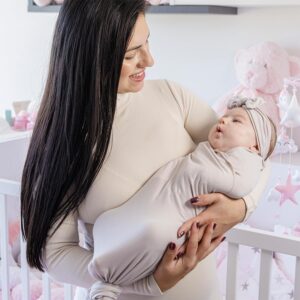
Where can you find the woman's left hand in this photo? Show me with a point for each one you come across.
(220, 209)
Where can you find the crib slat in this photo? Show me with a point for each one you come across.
(231, 271)
(4, 248)
(297, 280)
(68, 292)
(9, 187)
(24, 271)
(46, 287)
(265, 274)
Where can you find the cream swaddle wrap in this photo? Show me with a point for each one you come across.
(130, 240)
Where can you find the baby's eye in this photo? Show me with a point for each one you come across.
(236, 121)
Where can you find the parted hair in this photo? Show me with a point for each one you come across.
(73, 127)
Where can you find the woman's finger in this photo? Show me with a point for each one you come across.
(170, 253)
(205, 199)
(185, 227)
(192, 246)
(214, 244)
(205, 243)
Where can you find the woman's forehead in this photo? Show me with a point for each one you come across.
(140, 33)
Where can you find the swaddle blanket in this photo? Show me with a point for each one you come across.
(130, 240)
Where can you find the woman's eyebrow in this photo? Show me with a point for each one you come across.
(137, 47)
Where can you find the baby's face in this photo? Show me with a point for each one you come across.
(234, 129)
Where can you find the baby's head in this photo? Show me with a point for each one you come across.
(244, 125)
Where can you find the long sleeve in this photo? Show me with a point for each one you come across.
(199, 118)
(67, 262)
(253, 198)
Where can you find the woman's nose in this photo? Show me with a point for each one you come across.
(146, 59)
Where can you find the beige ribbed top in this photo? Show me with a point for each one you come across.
(151, 127)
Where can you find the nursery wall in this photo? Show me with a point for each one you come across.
(195, 50)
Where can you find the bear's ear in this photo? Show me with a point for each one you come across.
(239, 55)
(294, 65)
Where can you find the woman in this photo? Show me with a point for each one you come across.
(101, 133)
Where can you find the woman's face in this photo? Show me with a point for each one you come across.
(137, 59)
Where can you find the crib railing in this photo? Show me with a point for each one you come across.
(267, 241)
(12, 188)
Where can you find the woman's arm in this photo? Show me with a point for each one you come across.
(224, 211)
(66, 261)
(198, 118)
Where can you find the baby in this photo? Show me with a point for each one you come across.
(230, 162)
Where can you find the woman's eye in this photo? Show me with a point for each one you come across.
(129, 57)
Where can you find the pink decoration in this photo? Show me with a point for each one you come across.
(261, 70)
(13, 231)
(288, 190)
(296, 230)
(36, 289)
(56, 294)
(25, 120)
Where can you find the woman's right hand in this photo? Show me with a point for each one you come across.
(171, 268)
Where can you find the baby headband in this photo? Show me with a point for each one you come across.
(260, 121)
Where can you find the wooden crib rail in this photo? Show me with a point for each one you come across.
(12, 188)
(269, 243)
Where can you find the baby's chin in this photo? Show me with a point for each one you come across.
(217, 144)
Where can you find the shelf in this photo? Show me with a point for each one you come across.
(155, 9)
(14, 135)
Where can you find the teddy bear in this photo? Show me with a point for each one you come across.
(261, 70)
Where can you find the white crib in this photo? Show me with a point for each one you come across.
(12, 188)
(268, 242)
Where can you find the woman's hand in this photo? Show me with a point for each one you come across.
(220, 209)
(174, 267)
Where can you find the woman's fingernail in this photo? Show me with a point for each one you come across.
(172, 246)
(181, 233)
(194, 200)
(214, 227)
(223, 239)
(198, 225)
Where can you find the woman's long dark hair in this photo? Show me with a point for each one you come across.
(73, 128)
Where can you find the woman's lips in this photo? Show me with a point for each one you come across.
(138, 77)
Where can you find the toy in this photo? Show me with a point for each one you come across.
(261, 70)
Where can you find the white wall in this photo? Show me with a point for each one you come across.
(195, 50)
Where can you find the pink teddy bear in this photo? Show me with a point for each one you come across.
(260, 71)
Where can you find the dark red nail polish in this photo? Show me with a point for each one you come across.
(214, 227)
(194, 200)
(172, 246)
(198, 225)
(180, 254)
(222, 240)
(181, 233)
